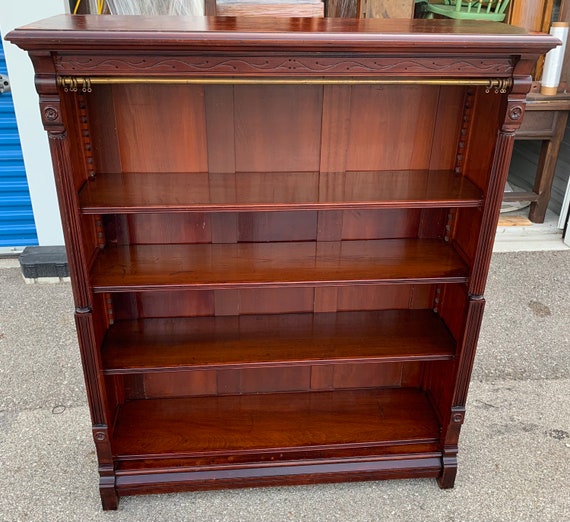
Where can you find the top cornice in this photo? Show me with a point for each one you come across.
(91, 33)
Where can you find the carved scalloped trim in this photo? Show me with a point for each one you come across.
(277, 65)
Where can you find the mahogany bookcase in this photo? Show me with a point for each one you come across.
(278, 233)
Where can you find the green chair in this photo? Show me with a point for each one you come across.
(493, 10)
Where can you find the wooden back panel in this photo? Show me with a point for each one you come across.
(275, 128)
(261, 133)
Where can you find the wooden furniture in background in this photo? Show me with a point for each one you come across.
(341, 9)
(490, 10)
(531, 14)
(385, 8)
(278, 232)
(546, 119)
(370, 8)
(546, 116)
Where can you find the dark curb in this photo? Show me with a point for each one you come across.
(44, 261)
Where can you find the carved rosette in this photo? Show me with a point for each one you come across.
(50, 110)
(99, 436)
(102, 444)
(51, 114)
(451, 434)
(515, 113)
(458, 417)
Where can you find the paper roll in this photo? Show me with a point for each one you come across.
(554, 59)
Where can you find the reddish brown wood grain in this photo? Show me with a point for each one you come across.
(189, 303)
(385, 297)
(379, 141)
(173, 475)
(271, 300)
(213, 342)
(148, 267)
(176, 384)
(447, 37)
(257, 423)
(183, 192)
(162, 228)
(277, 129)
(279, 378)
(140, 110)
(349, 211)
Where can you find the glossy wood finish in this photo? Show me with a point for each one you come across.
(261, 301)
(183, 192)
(271, 340)
(159, 34)
(278, 284)
(256, 423)
(151, 267)
(390, 434)
(180, 476)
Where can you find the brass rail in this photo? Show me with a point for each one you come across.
(84, 84)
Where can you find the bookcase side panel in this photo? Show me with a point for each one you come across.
(483, 113)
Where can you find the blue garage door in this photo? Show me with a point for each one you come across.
(17, 226)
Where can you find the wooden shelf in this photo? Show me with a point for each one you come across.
(183, 192)
(241, 265)
(152, 345)
(402, 139)
(247, 424)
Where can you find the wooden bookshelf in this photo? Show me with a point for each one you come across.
(277, 339)
(278, 233)
(237, 425)
(144, 267)
(185, 192)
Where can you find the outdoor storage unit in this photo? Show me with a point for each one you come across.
(17, 225)
(278, 233)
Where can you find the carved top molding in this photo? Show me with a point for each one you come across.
(278, 65)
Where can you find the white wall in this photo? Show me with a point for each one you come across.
(37, 160)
